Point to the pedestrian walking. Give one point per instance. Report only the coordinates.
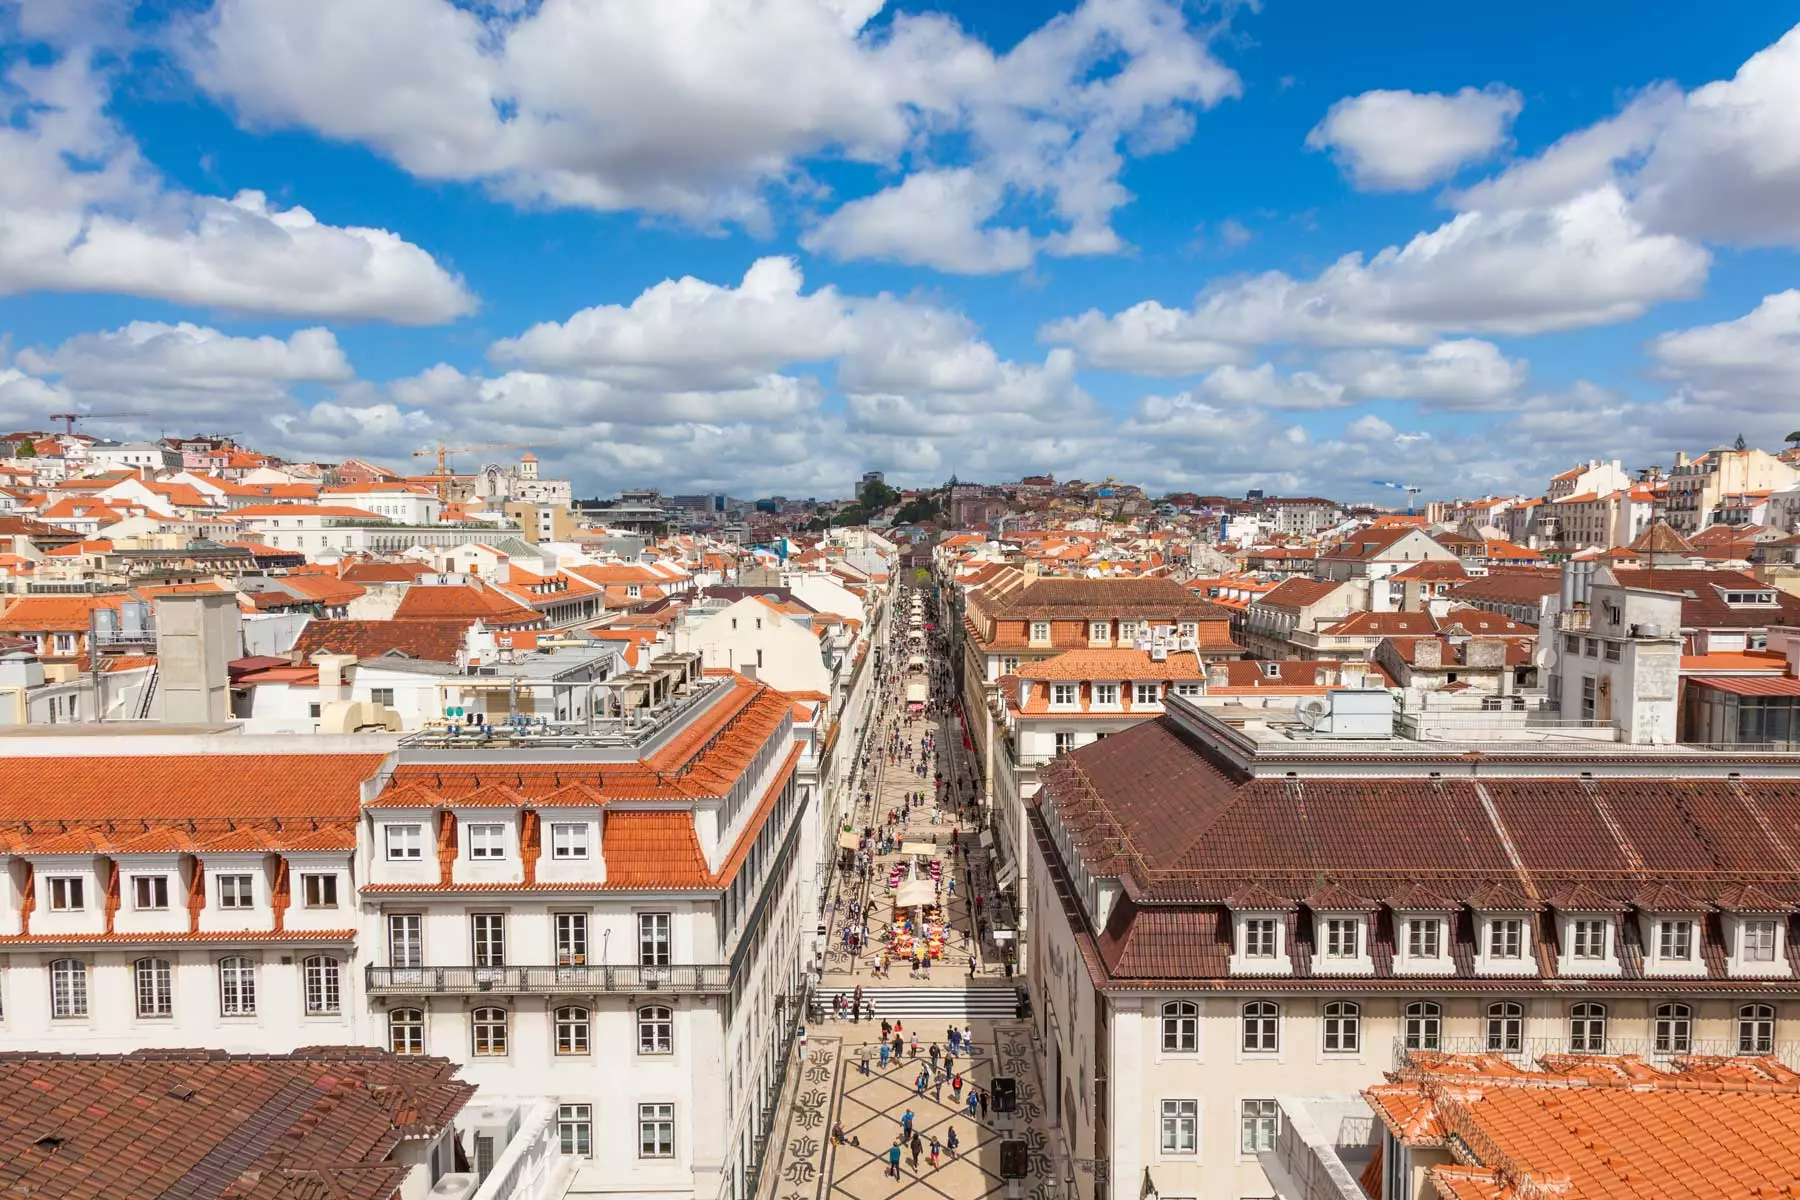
(915, 1044)
(920, 1082)
(906, 1124)
(952, 1036)
(971, 1104)
(950, 1141)
(884, 1055)
(893, 1157)
(936, 1149)
(956, 1088)
(968, 1039)
(862, 1060)
(887, 1030)
(918, 1144)
(984, 1105)
(856, 1004)
(934, 1055)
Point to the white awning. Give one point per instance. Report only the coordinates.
(917, 893)
(1006, 874)
(848, 841)
(918, 848)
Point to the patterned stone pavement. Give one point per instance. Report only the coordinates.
(831, 1088)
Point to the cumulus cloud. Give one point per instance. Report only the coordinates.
(81, 211)
(1585, 262)
(1262, 387)
(1460, 375)
(1754, 359)
(546, 104)
(1397, 141)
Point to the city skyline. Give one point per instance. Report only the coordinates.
(1202, 249)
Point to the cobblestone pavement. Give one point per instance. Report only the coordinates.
(831, 1089)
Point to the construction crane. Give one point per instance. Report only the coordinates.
(1408, 488)
(444, 452)
(69, 418)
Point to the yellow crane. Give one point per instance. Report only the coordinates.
(443, 453)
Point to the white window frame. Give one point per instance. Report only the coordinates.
(1507, 1019)
(1753, 947)
(1040, 632)
(574, 1030)
(1259, 1024)
(404, 842)
(237, 890)
(1590, 938)
(68, 989)
(490, 1035)
(1064, 695)
(406, 940)
(237, 986)
(1506, 939)
(655, 1029)
(1262, 938)
(1675, 940)
(1673, 1029)
(1099, 631)
(655, 939)
(1343, 938)
(575, 1130)
(1106, 695)
(487, 841)
(1343, 1027)
(153, 989)
(1259, 1124)
(406, 1031)
(319, 889)
(1146, 693)
(1180, 1127)
(1180, 1027)
(1424, 939)
(487, 939)
(322, 975)
(571, 930)
(1064, 741)
(68, 893)
(149, 893)
(1422, 1025)
(656, 1131)
(569, 841)
(1587, 1028)
(1755, 1028)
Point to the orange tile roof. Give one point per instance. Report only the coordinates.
(181, 787)
(53, 614)
(475, 603)
(1115, 664)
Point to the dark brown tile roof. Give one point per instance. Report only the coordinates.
(320, 1122)
(1702, 595)
(1072, 598)
(1508, 587)
(425, 639)
(1297, 593)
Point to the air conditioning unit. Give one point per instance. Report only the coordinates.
(458, 1185)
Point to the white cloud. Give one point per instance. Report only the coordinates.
(1261, 387)
(1461, 375)
(1585, 262)
(1753, 360)
(1721, 162)
(1394, 141)
(702, 108)
(81, 211)
(938, 219)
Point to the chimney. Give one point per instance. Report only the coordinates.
(1428, 654)
(1485, 652)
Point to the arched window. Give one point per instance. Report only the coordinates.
(656, 1030)
(1756, 1029)
(572, 1030)
(237, 987)
(1424, 1024)
(1674, 1028)
(1262, 1024)
(488, 1032)
(1180, 1027)
(1505, 1026)
(155, 987)
(323, 995)
(68, 988)
(1343, 1027)
(406, 1031)
(1587, 1029)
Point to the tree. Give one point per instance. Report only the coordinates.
(875, 496)
(853, 515)
(917, 511)
(1793, 439)
(26, 449)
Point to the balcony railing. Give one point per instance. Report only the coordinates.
(427, 981)
(1525, 1052)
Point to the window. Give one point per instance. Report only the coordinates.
(320, 975)
(1759, 941)
(1590, 649)
(1674, 1028)
(406, 1031)
(1588, 707)
(1272, 670)
(1259, 937)
(405, 843)
(1009, 664)
(1261, 1122)
(654, 935)
(149, 892)
(1262, 1020)
(487, 841)
(487, 934)
(575, 1129)
(406, 942)
(1099, 631)
(1424, 1025)
(1675, 940)
(572, 1030)
(1571, 644)
(319, 891)
(1587, 1029)
(1180, 1027)
(1147, 693)
(1589, 939)
(382, 696)
(1062, 694)
(68, 893)
(656, 1131)
(656, 1030)
(1424, 938)
(1180, 1126)
(1341, 937)
(65, 643)
(1343, 1027)
(68, 988)
(1505, 1026)
(1040, 631)
(237, 987)
(154, 985)
(313, 710)
(568, 841)
(1065, 741)
(487, 1028)
(1756, 1029)
(571, 939)
(1609, 651)
(237, 891)
(1506, 938)
(1128, 631)
(1188, 689)
(1106, 693)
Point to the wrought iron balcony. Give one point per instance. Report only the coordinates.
(510, 980)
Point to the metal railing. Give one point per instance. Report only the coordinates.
(427, 981)
(1525, 1053)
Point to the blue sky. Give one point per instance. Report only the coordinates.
(763, 245)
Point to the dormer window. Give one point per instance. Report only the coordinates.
(1588, 939)
(68, 894)
(1506, 938)
(487, 841)
(1099, 631)
(1062, 695)
(1106, 693)
(1675, 940)
(1424, 938)
(1260, 937)
(149, 892)
(1757, 941)
(1147, 693)
(1040, 631)
(1343, 937)
(1272, 670)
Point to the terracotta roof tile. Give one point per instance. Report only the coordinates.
(421, 638)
